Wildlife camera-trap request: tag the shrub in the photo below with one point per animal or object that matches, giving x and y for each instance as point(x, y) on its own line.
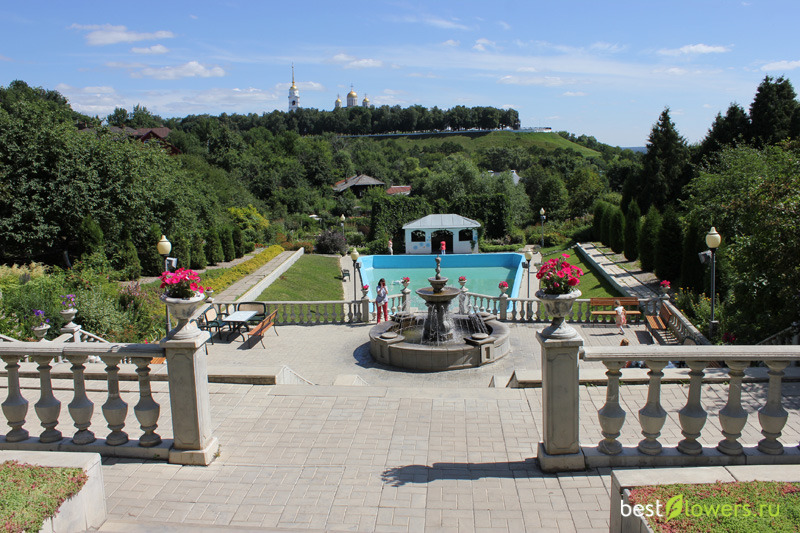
point(616, 234)
point(331, 242)
point(648, 237)
point(152, 263)
point(355, 238)
point(131, 267)
point(238, 241)
point(199, 261)
point(633, 224)
point(214, 252)
point(669, 246)
point(228, 249)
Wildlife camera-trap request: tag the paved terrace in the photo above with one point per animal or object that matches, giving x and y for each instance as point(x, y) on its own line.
point(401, 452)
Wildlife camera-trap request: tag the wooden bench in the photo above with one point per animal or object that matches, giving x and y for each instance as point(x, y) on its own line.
point(659, 322)
point(263, 326)
point(601, 307)
point(345, 273)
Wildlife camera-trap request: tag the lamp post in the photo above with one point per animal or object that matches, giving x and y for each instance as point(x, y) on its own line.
point(541, 214)
point(164, 247)
point(354, 257)
point(529, 258)
point(341, 221)
point(713, 240)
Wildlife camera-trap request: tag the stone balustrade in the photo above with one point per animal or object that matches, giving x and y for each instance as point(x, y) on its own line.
point(652, 416)
point(191, 442)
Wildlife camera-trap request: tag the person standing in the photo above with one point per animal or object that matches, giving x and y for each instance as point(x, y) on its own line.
point(442, 248)
point(381, 300)
point(391, 252)
point(619, 318)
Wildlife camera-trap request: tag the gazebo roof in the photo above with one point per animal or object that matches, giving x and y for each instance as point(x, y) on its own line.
point(441, 222)
point(352, 181)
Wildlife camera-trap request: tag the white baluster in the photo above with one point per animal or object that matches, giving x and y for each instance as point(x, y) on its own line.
point(115, 409)
point(733, 417)
point(773, 416)
point(611, 415)
point(81, 407)
point(15, 407)
point(652, 416)
point(693, 417)
point(147, 410)
point(48, 407)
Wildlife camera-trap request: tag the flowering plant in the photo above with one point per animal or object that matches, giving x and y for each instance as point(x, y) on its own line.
point(406, 279)
point(665, 284)
point(365, 287)
point(182, 284)
point(68, 301)
point(38, 316)
point(503, 285)
point(556, 276)
point(462, 278)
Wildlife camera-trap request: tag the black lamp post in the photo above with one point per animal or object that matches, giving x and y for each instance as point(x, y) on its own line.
point(354, 257)
point(529, 258)
point(541, 214)
point(713, 240)
point(164, 247)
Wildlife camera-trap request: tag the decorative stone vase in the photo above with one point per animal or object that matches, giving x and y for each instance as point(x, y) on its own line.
point(183, 309)
point(558, 306)
point(40, 331)
point(364, 293)
point(462, 282)
point(503, 290)
point(68, 315)
point(405, 284)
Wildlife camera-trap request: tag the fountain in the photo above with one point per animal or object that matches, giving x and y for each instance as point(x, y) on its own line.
point(439, 340)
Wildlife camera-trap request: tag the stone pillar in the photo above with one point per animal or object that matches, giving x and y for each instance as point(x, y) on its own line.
point(560, 450)
point(365, 309)
point(193, 443)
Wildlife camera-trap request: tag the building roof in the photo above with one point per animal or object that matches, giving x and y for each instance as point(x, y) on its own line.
point(399, 189)
point(442, 222)
point(361, 179)
point(514, 175)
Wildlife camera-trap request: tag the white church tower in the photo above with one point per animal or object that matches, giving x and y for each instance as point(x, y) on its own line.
point(352, 98)
point(294, 94)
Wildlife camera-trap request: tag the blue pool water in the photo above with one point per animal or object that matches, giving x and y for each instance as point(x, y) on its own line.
point(483, 271)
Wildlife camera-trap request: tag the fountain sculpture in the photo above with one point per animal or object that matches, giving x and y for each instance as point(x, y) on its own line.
point(439, 340)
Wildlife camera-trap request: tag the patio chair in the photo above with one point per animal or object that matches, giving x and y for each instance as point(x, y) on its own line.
point(259, 307)
point(211, 319)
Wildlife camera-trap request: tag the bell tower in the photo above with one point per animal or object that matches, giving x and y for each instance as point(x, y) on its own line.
point(294, 94)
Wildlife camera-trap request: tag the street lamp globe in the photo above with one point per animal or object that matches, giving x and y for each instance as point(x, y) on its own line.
point(528, 255)
point(713, 239)
point(163, 246)
point(354, 255)
point(541, 211)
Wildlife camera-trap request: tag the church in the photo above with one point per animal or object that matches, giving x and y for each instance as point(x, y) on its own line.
point(352, 98)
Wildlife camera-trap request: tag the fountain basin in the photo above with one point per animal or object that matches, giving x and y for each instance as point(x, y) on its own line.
point(397, 343)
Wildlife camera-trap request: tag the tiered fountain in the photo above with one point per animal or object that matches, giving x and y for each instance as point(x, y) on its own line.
point(439, 340)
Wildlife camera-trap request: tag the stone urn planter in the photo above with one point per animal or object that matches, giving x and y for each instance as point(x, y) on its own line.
point(40, 331)
point(182, 309)
point(68, 315)
point(558, 306)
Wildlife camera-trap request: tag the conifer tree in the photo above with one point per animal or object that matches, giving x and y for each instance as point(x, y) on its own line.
point(238, 241)
point(199, 261)
point(90, 236)
point(772, 111)
point(726, 131)
point(648, 237)
point(152, 263)
point(669, 246)
point(617, 230)
point(214, 252)
point(597, 222)
point(692, 270)
point(633, 224)
point(129, 259)
point(665, 166)
point(605, 225)
point(182, 251)
point(226, 236)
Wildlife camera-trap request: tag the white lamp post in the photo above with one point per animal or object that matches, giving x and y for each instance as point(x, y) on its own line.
point(541, 214)
point(354, 257)
point(341, 221)
point(529, 258)
point(164, 247)
point(713, 240)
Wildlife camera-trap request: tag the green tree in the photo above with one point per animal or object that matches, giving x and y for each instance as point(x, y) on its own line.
point(693, 273)
point(238, 241)
point(726, 131)
point(648, 239)
point(669, 247)
point(132, 268)
point(665, 166)
point(772, 111)
point(633, 225)
point(152, 263)
point(182, 250)
point(199, 261)
point(90, 236)
point(617, 230)
point(214, 251)
point(228, 249)
point(599, 212)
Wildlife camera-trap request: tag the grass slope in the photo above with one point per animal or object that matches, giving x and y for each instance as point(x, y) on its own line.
point(311, 278)
point(500, 139)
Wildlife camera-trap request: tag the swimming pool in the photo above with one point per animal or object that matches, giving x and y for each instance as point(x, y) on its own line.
point(483, 271)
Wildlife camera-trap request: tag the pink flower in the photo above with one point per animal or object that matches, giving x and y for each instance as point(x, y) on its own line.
point(365, 287)
point(503, 285)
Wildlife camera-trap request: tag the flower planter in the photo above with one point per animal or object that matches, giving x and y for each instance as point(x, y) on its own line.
point(182, 309)
point(558, 306)
point(69, 315)
point(40, 332)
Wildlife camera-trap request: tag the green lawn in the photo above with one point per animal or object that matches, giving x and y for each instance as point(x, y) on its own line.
point(311, 278)
point(592, 285)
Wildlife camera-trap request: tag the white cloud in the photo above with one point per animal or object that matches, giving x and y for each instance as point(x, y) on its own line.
point(4, 58)
point(602, 46)
point(781, 65)
point(505, 25)
point(393, 91)
point(574, 93)
point(364, 63)
point(672, 71)
point(482, 44)
point(155, 49)
point(451, 42)
point(302, 85)
point(527, 69)
point(192, 69)
point(444, 24)
point(690, 49)
point(430, 75)
point(547, 81)
point(121, 64)
point(342, 58)
point(104, 34)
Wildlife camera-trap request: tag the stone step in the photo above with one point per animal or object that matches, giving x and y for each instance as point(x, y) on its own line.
point(500, 380)
point(349, 380)
point(128, 526)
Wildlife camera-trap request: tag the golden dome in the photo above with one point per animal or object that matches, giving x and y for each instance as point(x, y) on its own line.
point(366, 100)
point(352, 94)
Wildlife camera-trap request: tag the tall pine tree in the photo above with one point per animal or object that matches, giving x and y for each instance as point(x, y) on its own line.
point(772, 112)
point(648, 237)
point(632, 227)
point(669, 246)
point(666, 166)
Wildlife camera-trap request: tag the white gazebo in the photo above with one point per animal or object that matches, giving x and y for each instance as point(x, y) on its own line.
point(424, 235)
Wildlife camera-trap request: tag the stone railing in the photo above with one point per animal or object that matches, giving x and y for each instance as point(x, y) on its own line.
point(307, 313)
point(561, 448)
point(191, 442)
point(788, 336)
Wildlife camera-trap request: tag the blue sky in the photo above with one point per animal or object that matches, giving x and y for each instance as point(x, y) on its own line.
point(605, 69)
